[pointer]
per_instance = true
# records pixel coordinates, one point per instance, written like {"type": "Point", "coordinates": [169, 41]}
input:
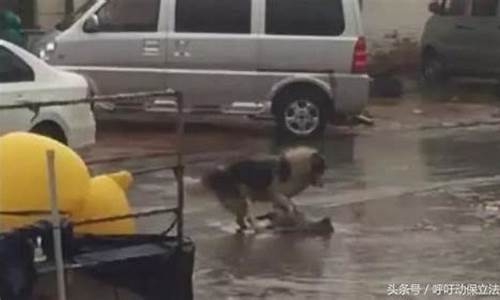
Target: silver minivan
{"type": "Point", "coordinates": [462, 38]}
{"type": "Point", "coordinates": [301, 62]}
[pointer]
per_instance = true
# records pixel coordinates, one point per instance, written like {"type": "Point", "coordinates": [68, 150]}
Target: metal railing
{"type": "Point", "coordinates": [177, 167]}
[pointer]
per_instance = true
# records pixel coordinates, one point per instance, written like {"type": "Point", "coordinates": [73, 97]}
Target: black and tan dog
{"type": "Point", "coordinates": [274, 179]}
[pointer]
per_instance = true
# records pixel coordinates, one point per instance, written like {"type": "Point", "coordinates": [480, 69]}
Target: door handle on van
{"type": "Point", "coordinates": [463, 27]}
{"type": "Point", "coordinates": [182, 48]}
{"type": "Point", "coordinates": [151, 47]}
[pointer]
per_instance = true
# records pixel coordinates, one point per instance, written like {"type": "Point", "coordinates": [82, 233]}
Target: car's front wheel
{"type": "Point", "coordinates": [302, 115]}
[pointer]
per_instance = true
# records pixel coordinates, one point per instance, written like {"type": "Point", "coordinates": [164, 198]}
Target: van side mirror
{"type": "Point", "coordinates": [91, 25]}
{"type": "Point", "coordinates": [435, 8]}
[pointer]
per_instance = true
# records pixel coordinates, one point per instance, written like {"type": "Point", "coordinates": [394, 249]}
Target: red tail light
{"type": "Point", "coordinates": [360, 57]}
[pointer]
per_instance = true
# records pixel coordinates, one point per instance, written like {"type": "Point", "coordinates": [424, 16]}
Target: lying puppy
{"type": "Point", "coordinates": [297, 222]}
{"type": "Point", "coordinates": [274, 179]}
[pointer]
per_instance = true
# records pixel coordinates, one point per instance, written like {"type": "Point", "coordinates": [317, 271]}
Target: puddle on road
{"type": "Point", "coordinates": [402, 233]}
{"type": "Point", "coordinates": [417, 239]}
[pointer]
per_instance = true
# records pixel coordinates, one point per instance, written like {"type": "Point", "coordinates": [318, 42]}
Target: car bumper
{"type": "Point", "coordinates": [81, 132]}
{"type": "Point", "coordinates": [351, 93]}
{"type": "Point", "coordinates": [82, 137]}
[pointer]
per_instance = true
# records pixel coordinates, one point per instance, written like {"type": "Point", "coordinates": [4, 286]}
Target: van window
{"type": "Point", "coordinates": [485, 8]}
{"type": "Point", "coordinates": [455, 7]}
{"type": "Point", "coordinates": [305, 17]}
{"type": "Point", "coordinates": [213, 16]}
{"type": "Point", "coordinates": [13, 69]}
{"type": "Point", "coordinates": [129, 15]}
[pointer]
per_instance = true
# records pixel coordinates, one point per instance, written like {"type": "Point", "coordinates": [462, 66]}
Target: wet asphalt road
{"type": "Point", "coordinates": [408, 208]}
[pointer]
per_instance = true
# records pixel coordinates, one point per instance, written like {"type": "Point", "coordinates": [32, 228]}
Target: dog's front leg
{"type": "Point", "coordinates": [251, 217]}
{"type": "Point", "coordinates": [240, 220]}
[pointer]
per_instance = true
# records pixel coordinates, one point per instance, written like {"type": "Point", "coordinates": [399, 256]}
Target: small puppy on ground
{"type": "Point", "coordinates": [274, 179]}
{"type": "Point", "coordinates": [297, 222]}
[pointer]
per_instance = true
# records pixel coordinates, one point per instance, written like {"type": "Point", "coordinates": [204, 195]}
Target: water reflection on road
{"type": "Point", "coordinates": [403, 205]}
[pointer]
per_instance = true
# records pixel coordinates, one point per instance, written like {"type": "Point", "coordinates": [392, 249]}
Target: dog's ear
{"type": "Point", "coordinates": [318, 163]}
{"type": "Point", "coordinates": [284, 169]}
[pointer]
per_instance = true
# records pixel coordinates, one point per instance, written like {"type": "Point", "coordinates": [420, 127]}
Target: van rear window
{"type": "Point", "coordinates": [305, 17]}
{"type": "Point", "coordinates": [213, 16]}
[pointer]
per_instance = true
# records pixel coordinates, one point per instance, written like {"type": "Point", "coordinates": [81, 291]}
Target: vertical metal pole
{"type": "Point", "coordinates": [180, 167]}
{"type": "Point", "coordinates": [56, 225]}
{"type": "Point", "coordinates": [69, 7]}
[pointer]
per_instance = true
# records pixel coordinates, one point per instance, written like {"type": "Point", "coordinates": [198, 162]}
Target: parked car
{"type": "Point", "coordinates": [301, 62]}
{"type": "Point", "coordinates": [462, 38]}
{"type": "Point", "coordinates": [26, 78]}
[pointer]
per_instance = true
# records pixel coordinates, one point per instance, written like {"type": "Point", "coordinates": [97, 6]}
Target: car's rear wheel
{"type": "Point", "coordinates": [433, 70]}
{"type": "Point", "coordinates": [302, 114]}
{"type": "Point", "coordinates": [51, 130]}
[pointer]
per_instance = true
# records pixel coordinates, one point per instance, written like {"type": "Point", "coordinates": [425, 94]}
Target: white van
{"type": "Point", "coordinates": [300, 61]}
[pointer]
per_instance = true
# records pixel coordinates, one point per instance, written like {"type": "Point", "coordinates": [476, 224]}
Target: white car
{"type": "Point", "coordinates": [25, 78]}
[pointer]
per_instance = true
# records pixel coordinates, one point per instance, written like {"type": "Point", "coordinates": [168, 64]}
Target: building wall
{"type": "Point", "coordinates": [393, 29]}
{"type": "Point", "coordinates": [386, 19]}
{"type": "Point", "coordinates": [51, 11]}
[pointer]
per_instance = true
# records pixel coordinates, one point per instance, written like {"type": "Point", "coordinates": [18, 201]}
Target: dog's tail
{"type": "Point", "coordinates": [194, 186]}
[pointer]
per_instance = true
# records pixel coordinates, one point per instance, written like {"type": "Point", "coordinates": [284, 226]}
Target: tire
{"type": "Point", "coordinates": [433, 70]}
{"type": "Point", "coordinates": [302, 114]}
{"type": "Point", "coordinates": [51, 130]}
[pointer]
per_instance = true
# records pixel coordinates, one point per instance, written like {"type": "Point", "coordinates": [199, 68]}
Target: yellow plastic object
{"type": "Point", "coordinates": [107, 198]}
{"type": "Point", "coordinates": [24, 186]}
{"type": "Point", "coordinates": [23, 177]}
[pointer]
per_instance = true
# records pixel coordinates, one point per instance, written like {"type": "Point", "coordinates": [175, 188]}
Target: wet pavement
{"type": "Point", "coordinates": [409, 207]}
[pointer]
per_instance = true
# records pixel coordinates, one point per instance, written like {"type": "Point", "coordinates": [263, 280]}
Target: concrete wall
{"type": "Point", "coordinates": [393, 29]}
{"type": "Point", "coordinates": [51, 11]}
{"type": "Point", "coordinates": [383, 18]}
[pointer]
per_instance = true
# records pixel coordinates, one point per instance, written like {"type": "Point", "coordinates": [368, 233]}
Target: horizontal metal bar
{"type": "Point", "coordinates": [28, 213]}
{"type": "Point", "coordinates": [97, 99]}
{"type": "Point", "coordinates": [189, 161]}
{"type": "Point", "coordinates": [145, 171]}
{"type": "Point", "coordinates": [145, 213]}
{"type": "Point", "coordinates": [130, 157]}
